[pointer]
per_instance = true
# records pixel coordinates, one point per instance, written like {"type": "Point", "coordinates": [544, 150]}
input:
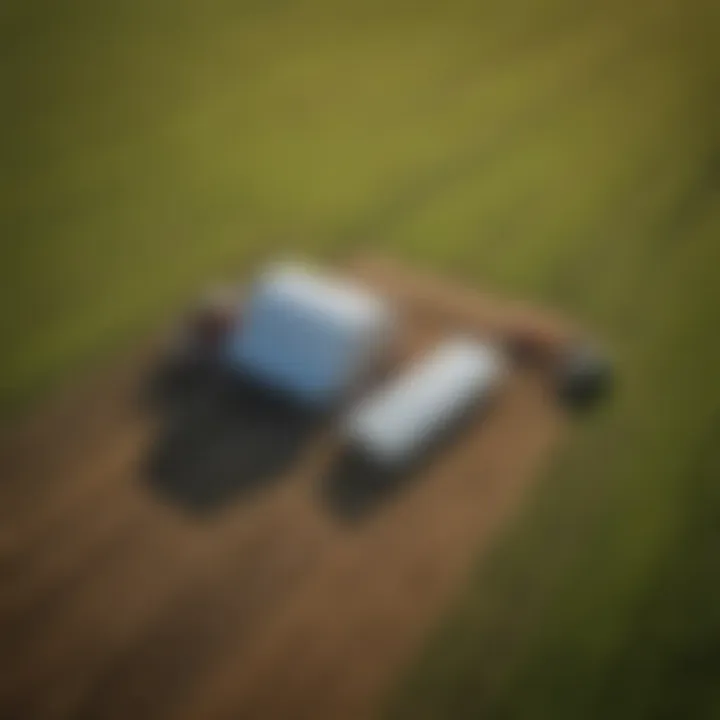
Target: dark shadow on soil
{"type": "Point", "coordinates": [356, 487]}
{"type": "Point", "coordinates": [222, 438]}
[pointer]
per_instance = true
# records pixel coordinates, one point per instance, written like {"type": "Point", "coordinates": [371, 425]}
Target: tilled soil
{"type": "Point", "coordinates": [129, 590]}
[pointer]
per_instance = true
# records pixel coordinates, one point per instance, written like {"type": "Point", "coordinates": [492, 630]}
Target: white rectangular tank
{"type": "Point", "coordinates": [309, 335]}
{"type": "Point", "coordinates": [397, 422]}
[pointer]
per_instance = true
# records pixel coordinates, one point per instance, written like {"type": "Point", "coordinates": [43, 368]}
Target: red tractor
{"type": "Point", "coordinates": [580, 373]}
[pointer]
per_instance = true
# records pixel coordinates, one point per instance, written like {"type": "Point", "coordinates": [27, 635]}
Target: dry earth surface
{"type": "Point", "coordinates": [119, 602]}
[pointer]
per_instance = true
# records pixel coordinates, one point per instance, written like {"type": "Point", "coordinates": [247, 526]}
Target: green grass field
{"type": "Point", "coordinates": [561, 151]}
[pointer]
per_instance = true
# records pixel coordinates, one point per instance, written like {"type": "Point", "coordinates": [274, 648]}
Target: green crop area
{"type": "Point", "coordinates": [567, 152]}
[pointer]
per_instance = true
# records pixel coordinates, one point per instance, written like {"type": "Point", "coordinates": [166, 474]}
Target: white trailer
{"type": "Point", "coordinates": [395, 424]}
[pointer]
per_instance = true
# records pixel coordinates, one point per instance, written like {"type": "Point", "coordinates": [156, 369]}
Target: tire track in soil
{"type": "Point", "coordinates": [332, 652]}
{"type": "Point", "coordinates": [118, 605]}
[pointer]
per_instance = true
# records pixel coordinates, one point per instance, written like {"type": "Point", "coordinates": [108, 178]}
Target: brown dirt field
{"type": "Point", "coordinates": [118, 604]}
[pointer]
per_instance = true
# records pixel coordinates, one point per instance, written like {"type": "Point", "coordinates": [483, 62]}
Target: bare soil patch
{"type": "Point", "coordinates": [120, 600]}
